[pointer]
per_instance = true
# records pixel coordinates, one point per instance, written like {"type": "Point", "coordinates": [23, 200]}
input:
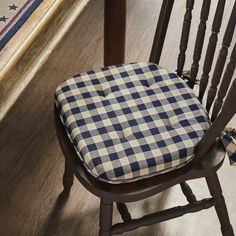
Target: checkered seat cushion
{"type": "Point", "coordinates": [129, 122]}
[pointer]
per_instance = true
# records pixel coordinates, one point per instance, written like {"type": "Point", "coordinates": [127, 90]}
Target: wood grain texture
{"type": "Point", "coordinates": [15, 69]}
{"type": "Point", "coordinates": [24, 36]}
{"type": "Point", "coordinates": [31, 170]}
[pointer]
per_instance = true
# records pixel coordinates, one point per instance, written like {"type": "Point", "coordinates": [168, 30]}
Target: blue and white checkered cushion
{"type": "Point", "coordinates": [129, 122]}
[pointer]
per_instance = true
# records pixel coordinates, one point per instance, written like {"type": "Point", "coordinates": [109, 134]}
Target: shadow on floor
{"type": "Point", "coordinates": [53, 220]}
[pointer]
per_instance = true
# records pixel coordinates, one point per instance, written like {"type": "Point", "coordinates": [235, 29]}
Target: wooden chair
{"type": "Point", "coordinates": [209, 153]}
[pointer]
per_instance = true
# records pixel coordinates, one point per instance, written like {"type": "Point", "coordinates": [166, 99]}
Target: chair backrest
{"type": "Point", "coordinates": [222, 90]}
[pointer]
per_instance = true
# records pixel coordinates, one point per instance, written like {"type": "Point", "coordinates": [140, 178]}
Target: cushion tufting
{"type": "Point", "coordinates": [132, 121]}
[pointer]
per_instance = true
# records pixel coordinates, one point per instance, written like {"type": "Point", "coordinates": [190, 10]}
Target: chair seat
{"type": "Point", "coordinates": [132, 121]}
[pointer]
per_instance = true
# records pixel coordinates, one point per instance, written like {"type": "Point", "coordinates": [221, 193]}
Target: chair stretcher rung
{"type": "Point", "coordinates": [161, 216]}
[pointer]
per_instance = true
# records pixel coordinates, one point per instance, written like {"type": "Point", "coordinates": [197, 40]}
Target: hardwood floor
{"type": "Point", "coordinates": [29, 48]}
{"type": "Point", "coordinates": [31, 161]}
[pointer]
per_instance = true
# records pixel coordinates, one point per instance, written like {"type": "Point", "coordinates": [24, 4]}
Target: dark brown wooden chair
{"type": "Point", "coordinates": [209, 154]}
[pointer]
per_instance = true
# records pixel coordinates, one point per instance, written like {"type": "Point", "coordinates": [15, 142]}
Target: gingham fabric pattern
{"type": "Point", "coordinates": [228, 138]}
{"type": "Point", "coordinates": [132, 121]}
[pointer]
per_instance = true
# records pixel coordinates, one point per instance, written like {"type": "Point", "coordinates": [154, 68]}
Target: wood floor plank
{"type": "Point", "coordinates": [32, 164]}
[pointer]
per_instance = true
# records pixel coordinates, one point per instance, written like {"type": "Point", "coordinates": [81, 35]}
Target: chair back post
{"type": "Point", "coordinates": [199, 41]}
{"type": "Point", "coordinates": [226, 80]}
{"type": "Point", "coordinates": [228, 110]}
{"type": "Point", "coordinates": [161, 29]}
{"type": "Point", "coordinates": [224, 117]}
{"type": "Point", "coordinates": [184, 36]}
{"type": "Point", "coordinates": [219, 67]}
{"type": "Point", "coordinates": [211, 47]}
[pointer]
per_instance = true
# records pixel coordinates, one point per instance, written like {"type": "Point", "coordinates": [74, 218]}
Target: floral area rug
{"type": "Point", "coordinates": [13, 14]}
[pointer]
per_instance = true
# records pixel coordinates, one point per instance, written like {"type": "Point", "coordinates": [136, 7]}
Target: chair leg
{"type": "Point", "coordinates": [68, 177]}
{"type": "Point", "coordinates": [187, 191]}
{"type": "Point", "coordinates": [105, 222]}
{"type": "Point", "coordinates": [216, 192]}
